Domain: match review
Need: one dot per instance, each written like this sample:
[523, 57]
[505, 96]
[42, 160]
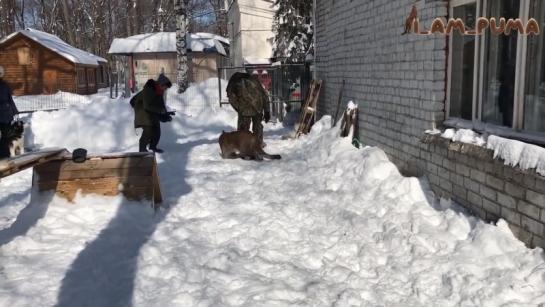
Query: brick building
[407, 84]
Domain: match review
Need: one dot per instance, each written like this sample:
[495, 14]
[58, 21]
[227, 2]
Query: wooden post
[219, 86]
[339, 100]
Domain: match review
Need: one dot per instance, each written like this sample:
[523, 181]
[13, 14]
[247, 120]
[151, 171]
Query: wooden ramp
[132, 174]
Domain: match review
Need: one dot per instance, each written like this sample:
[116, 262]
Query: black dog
[11, 144]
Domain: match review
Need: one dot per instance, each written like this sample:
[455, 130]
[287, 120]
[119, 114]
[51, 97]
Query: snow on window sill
[466, 141]
[490, 129]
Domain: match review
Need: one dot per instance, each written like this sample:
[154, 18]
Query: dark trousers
[255, 121]
[4, 129]
[4, 146]
[150, 136]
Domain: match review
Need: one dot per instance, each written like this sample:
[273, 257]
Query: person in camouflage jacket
[248, 97]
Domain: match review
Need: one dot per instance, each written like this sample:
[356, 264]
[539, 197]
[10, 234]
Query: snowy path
[328, 225]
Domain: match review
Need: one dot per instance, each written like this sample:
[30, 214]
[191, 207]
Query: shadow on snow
[103, 274]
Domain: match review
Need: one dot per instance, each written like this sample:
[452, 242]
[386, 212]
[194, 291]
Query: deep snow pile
[328, 225]
[59, 100]
[102, 126]
[106, 125]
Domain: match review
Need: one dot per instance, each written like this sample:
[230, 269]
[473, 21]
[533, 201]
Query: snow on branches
[293, 30]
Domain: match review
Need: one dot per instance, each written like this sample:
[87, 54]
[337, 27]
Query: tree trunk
[155, 25]
[23, 26]
[134, 17]
[67, 23]
[110, 22]
[181, 44]
[221, 23]
[129, 18]
[220, 11]
[7, 22]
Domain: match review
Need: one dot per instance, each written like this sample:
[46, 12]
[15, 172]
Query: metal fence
[61, 100]
[287, 85]
[58, 101]
[201, 96]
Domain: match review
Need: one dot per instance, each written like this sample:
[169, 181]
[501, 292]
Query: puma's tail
[273, 157]
[262, 153]
[270, 157]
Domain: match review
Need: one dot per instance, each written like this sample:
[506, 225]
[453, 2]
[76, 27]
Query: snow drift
[106, 125]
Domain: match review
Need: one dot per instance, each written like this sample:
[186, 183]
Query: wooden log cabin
[39, 63]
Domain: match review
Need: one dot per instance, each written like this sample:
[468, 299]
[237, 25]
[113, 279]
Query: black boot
[143, 148]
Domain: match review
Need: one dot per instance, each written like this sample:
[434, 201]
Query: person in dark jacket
[7, 106]
[248, 97]
[149, 111]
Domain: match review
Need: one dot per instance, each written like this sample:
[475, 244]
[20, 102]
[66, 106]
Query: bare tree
[21, 19]
[67, 21]
[7, 13]
[220, 12]
[92, 25]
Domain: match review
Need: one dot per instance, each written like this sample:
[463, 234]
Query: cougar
[243, 144]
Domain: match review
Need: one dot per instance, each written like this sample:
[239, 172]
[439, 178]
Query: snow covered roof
[212, 36]
[256, 61]
[166, 42]
[58, 46]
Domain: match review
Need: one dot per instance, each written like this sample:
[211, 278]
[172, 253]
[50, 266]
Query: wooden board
[339, 101]
[133, 188]
[98, 164]
[349, 123]
[16, 164]
[132, 174]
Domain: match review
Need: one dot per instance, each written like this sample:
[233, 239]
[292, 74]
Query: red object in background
[264, 77]
[266, 81]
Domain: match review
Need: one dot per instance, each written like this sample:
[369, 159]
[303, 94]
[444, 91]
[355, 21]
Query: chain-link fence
[287, 85]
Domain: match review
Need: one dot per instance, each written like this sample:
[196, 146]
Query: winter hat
[2, 72]
[79, 155]
[163, 80]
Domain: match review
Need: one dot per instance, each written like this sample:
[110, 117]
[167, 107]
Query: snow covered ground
[328, 225]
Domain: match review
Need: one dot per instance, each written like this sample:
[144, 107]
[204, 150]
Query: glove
[267, 117]
[165, 118]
